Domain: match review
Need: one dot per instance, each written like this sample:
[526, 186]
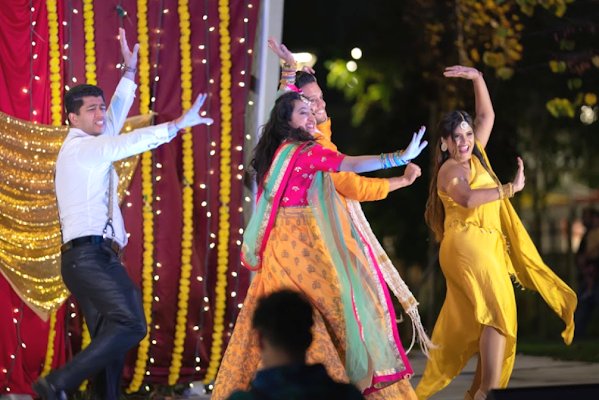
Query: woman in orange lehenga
[301, 237]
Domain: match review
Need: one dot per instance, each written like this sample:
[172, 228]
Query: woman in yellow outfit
[483, 245]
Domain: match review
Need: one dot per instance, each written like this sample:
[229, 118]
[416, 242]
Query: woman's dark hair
[435, 213]
[276, 130]
[303, 78]
[285, 319]
[73, 99]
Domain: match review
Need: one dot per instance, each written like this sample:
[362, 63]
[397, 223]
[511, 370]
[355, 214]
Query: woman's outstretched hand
[416, 145]
[459, 71]
[520, 179]
[281, 50]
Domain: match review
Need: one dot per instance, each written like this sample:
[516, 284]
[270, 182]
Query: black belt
[111, 243]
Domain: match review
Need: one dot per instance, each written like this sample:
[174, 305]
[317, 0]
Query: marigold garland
[225, 191]
[85, 341]
[50, 350]
[188, 178]
[148, 198]
[91, 79]
[56, 112]
[55, 78]
[90, 44]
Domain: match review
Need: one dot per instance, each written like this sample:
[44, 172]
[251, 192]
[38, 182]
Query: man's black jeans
[113, 310]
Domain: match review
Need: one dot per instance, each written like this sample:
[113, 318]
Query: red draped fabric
[23, 335]
[15, 75]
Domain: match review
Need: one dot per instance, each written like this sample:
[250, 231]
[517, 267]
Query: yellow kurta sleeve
[360, 188]
[354, 186]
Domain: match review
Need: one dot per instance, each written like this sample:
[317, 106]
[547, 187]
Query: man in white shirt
[93, 231]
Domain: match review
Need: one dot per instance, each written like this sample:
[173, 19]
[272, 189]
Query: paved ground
[528, 371]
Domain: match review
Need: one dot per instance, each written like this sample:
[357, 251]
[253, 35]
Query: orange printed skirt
[295, 258]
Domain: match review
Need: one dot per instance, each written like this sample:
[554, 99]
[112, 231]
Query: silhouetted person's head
[284, 322]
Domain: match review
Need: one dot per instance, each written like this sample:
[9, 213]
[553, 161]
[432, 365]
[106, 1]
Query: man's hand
[129, 57]
[192, 116]
[412, 172]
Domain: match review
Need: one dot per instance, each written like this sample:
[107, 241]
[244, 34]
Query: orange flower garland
[56, 112]
[188, 178]
[225, 192]
[148, 198]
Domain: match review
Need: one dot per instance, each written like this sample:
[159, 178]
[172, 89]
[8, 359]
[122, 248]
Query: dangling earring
[443, 146]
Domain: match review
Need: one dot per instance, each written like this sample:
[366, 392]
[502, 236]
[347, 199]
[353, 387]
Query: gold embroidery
[454, 182]
[271, 197]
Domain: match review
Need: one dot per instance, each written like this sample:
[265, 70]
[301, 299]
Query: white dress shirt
[83, 167]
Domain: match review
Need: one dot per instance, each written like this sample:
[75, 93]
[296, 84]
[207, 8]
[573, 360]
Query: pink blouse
[312, 159]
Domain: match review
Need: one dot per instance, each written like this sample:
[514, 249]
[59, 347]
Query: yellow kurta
[479, 289]
[476, 264]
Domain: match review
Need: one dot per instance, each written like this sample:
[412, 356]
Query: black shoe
[46, 391]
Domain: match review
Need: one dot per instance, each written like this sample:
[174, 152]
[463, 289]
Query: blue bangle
[398, 159]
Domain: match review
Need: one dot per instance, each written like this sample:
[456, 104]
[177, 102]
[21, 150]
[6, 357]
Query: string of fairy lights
[31, 75]
[68, 65]
[8, 371]
[244, 83]
[155, 171]
[203, 273]
[18, 319]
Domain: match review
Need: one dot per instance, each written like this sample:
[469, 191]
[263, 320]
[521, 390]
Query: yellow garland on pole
[85, 341]
[225, 191]
[148, 198]
[56, 92]
[90, 44]
[56, 112]
[50, 350]
[188, 179]
[91, 79]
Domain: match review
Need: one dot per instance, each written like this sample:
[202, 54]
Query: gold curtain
[29, 227]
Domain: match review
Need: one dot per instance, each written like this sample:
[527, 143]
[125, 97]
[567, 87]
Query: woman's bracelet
[506, 191]
[392, 160]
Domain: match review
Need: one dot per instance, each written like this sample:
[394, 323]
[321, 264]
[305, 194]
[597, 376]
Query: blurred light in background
[351, 66]
[305, 59]
[356, 53]
[588, 115]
